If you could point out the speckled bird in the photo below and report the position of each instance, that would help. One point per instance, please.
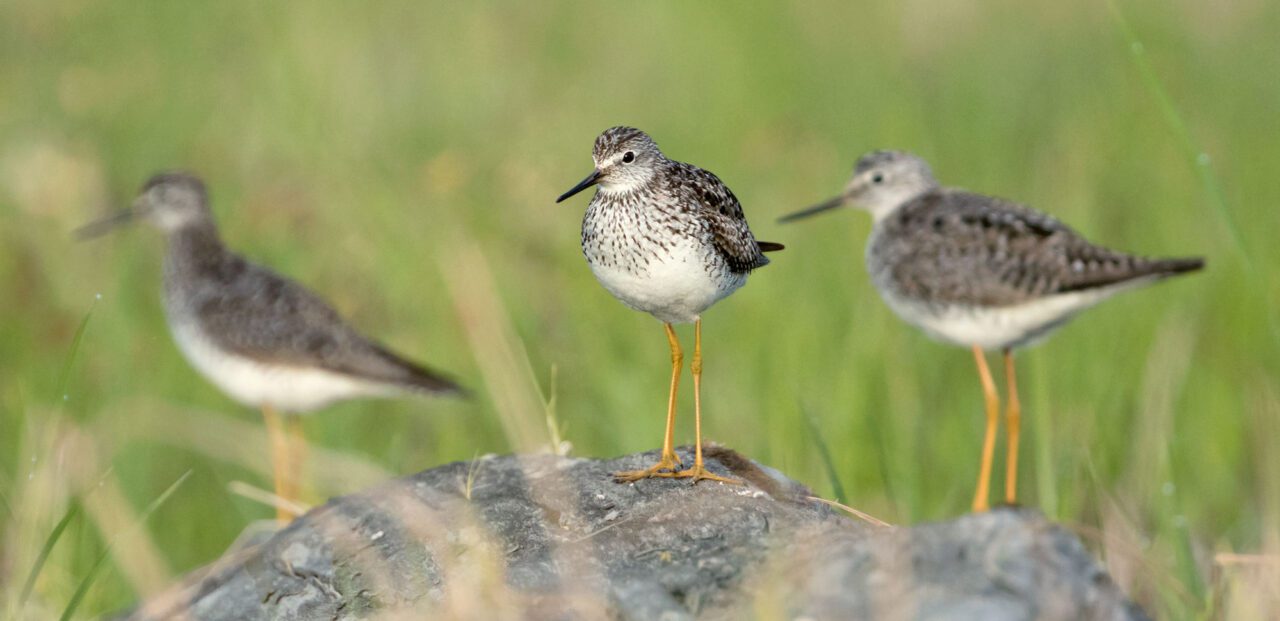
(263, 339)
(669, 239)
(981, 272)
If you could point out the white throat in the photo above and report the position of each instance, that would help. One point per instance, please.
(887, 200)
(170, 220)
(620, 186)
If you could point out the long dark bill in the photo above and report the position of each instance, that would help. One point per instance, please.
(584, 184)
(816, 209)
(103, 226)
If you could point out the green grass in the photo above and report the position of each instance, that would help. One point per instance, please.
(381, 153)
(87, 582)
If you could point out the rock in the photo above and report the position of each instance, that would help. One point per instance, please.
(544, 537)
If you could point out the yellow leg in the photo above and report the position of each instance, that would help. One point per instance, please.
(279, 458)
(297, 458)
(669, 461)
(1013, 422)
(989, 440)
(699, 471)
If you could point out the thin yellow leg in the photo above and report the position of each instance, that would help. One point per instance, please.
(677, 363)
(1013, 422)
(669, 461)
(989, 440)
(297, 458)
(279, 458)
(699, 471)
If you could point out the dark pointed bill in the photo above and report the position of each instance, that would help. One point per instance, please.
(103, 226)
(586, 183)
(816, 209)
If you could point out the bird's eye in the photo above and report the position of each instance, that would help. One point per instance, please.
(628, 157)
(877, 178)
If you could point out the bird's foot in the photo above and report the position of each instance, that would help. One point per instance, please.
(699, 473)
(666, 467)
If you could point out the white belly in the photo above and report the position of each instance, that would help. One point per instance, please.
(256, 384)
(996, 328)
(675, 287)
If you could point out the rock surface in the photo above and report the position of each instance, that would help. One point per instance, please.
(544, 537)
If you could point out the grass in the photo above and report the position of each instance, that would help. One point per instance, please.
(402, 160)
(91, 576)
(49, 542)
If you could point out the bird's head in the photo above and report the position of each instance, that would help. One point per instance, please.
(625, 158)
(881, 181)
(169, 201)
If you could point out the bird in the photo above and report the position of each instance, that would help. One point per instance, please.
(981, 272)
(669, 239)
(263, 339)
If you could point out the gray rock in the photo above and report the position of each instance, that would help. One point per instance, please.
(543, 537)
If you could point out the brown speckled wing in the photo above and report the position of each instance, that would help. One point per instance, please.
(262, 315)
(956, 247)
(720, 209)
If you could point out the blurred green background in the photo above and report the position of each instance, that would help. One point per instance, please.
(402, 159)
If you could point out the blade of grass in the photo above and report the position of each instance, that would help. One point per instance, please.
(1196, 156)
(65, 375)
(21, 408)
(473, 470)
(887, 480)
(4, 504)
(498, 350)
(1134, 552)
(262, 496)
(1046, 473)
(92, 574)
(862, 515)
(43, 556)
(1185, 555)
(825, 453)
(554, 428)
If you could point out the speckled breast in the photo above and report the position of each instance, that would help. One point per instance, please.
(655, 261)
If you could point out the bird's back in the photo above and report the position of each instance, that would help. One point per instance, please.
(955, 247)
(723, 223)
(248, 311)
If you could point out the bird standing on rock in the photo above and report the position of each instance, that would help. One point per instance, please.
(669, 239)
(981, 272)
(263, 339)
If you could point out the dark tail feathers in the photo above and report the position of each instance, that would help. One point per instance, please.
(1120, 269)
(420, 378)
(1181, 265)
(769, 246)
